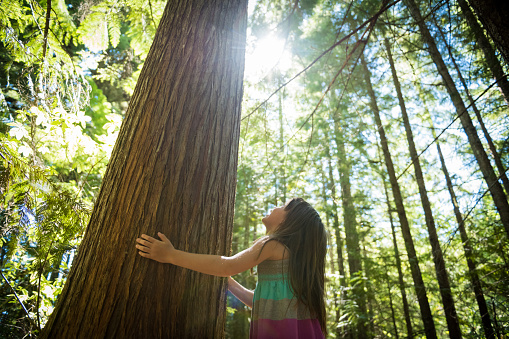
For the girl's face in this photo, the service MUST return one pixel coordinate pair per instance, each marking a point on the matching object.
(275, 218)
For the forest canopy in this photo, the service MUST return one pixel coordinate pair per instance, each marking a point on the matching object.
(390, 118)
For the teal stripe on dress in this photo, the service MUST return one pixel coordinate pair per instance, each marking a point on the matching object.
(275, 290)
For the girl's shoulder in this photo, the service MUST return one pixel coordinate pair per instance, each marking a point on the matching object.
(276, 250)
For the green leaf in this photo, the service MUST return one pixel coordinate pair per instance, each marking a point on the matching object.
(93, 31)
(114, 30)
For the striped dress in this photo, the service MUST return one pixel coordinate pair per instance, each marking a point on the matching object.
(276, 313)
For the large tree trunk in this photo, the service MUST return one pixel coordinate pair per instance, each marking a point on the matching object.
(495, 188)
(173, 169)
(494, 15)
(420, 289)
(438, 258)
(487, 49)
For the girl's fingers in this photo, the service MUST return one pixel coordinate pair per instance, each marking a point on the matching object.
(162, 237)
(147, 237)
(143, 242)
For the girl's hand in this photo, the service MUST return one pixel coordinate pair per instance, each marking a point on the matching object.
(158, 250)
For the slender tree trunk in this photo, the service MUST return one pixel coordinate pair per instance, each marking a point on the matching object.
(488, 51)
(339, 243)
(325, 197)
(489, 175)
(337, 231)
(491, 145)
(401, 283)
(494, 15)
(497, 326)
(472, 266)
(351, 235)
(282, 173)
(438, 258)
(474, 277)
(369, 294)
(393, 314)
(173, 169)
(420, 289)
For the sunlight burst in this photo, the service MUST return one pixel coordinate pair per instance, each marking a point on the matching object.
(269, 54)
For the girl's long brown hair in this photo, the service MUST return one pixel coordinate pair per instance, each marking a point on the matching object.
(303, 233)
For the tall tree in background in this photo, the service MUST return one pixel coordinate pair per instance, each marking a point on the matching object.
(438, 258)
(494, 14)
(469, 254)
(488, 50)
(493, 149)
(467, 246)
(420, 289)
(401, 283)
(351, 234)
(494, 186)
(173, 170)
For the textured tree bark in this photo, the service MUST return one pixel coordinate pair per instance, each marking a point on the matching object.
(487, 49)
(494, 15)
(420, 289)
(173, 169)
(438, 258)
(495, 188)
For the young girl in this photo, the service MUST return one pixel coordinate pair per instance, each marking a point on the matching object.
(288, 301)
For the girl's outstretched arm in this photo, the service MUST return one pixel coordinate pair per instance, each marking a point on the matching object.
(242, 293)
(164, 252)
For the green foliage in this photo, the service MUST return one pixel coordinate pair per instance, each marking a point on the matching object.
(41, 222)
(101, 27)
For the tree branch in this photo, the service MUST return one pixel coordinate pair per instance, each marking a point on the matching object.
(46, 27)
(16, 295)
